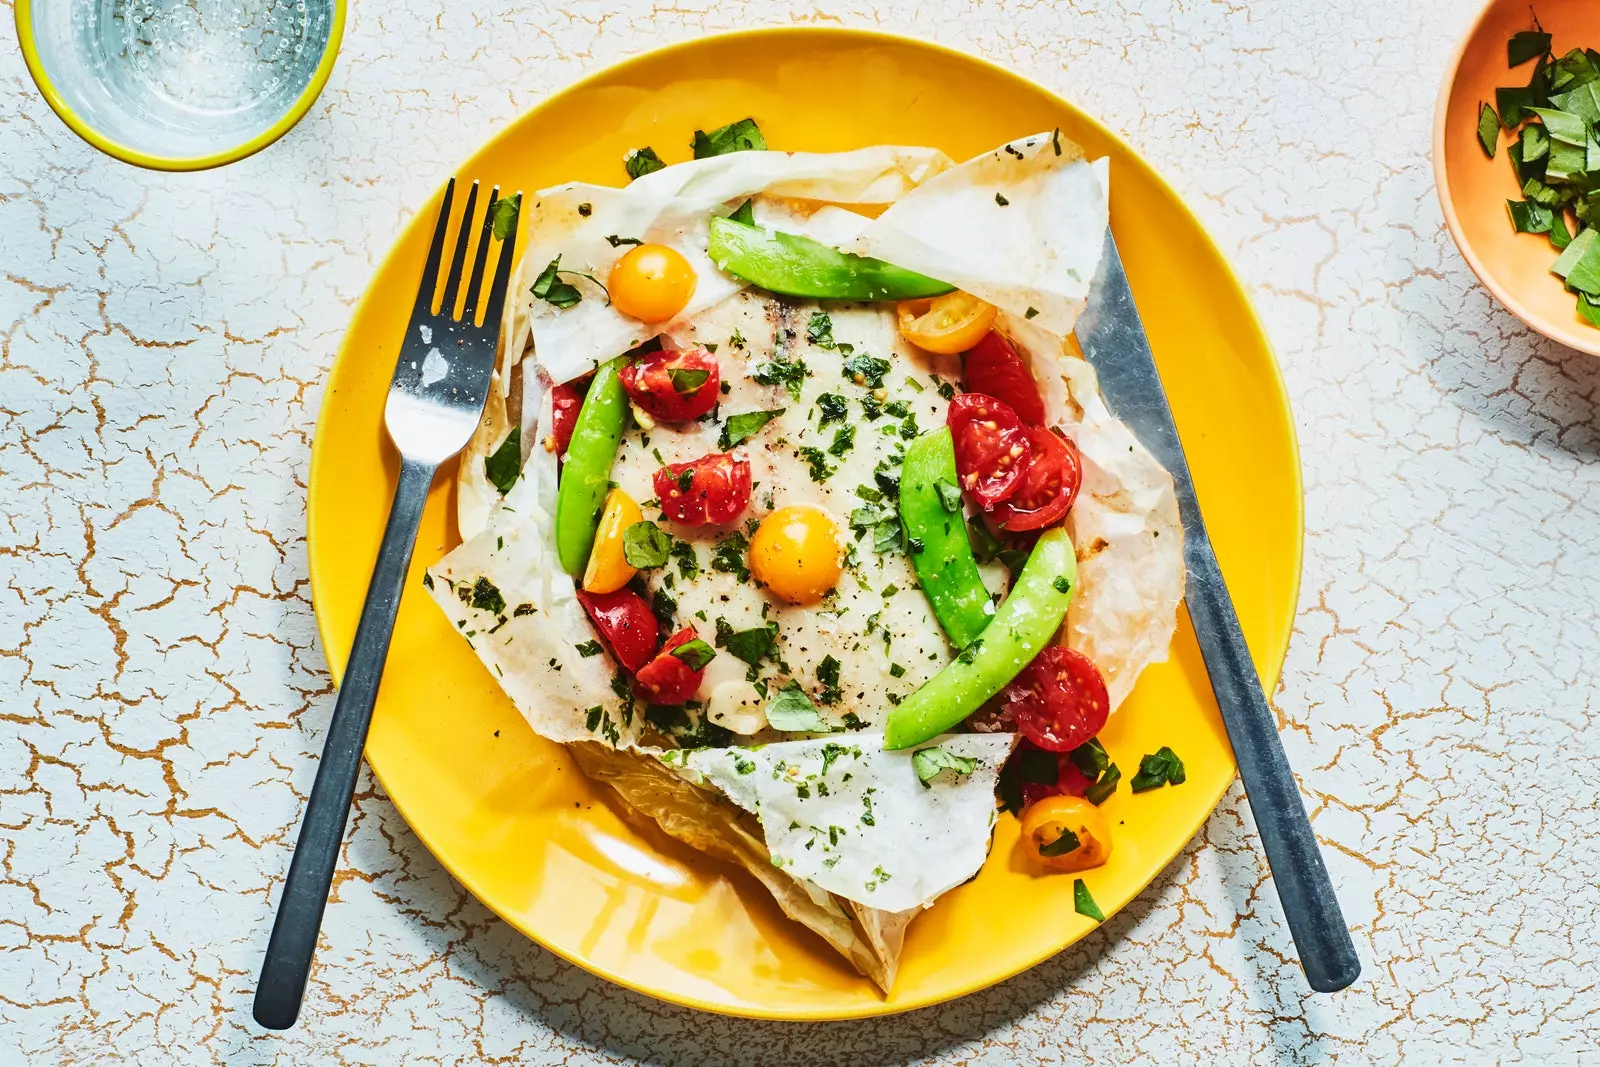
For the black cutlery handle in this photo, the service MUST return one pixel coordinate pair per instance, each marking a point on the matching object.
(305, 891)
(1315, 921)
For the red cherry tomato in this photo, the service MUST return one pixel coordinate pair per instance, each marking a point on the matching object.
(1059, 701)
(627, 624)
(674, 386)
(993, 367)
(1070, 781)
(991, 444)
(712, 489)
(668, 679)
(1047, 488)
(564, 404)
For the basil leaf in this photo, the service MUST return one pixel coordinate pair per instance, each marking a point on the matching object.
(1163, 767)
(549, 287)
(866, 370)
(695, 654)
(687, 380)
(589, 648)
(1529, 44)
(642, 161)
(1560, 236)
(1488, 130)
(1589, 308)
(1584, 275)
(745, 213)
(748, 646)
(1090, 758)
(929, 762)
(645, 545)
(741, 136)
(745, 425)
(1067, 842)
(949, 494)
(792, 710)
(1083, 903)
(504, 465)
(1575, 251)
(504, 212)
(486, 596)
(1101, 791)
(1535, 142)
(1514, 104)
(1584, 102)
(819, 330)
(1530, 217)
(1569, 129)
(1567, 163)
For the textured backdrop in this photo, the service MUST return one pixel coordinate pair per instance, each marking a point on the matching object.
(162, 343)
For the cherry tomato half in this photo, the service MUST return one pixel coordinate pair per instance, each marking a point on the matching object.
(993, 367)
(668, 679)
(1059, 701)
(1070, 781)
(712, 489)
(626, 622)
(1065, 833)
(945, 324)
(674, 386)
(564, 404)
(1047, 488)
(992, 449)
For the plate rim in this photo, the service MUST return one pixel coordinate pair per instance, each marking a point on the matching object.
(1273, 668)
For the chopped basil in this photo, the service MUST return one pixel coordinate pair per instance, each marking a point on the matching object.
(1526, 45)
(695, 654)
(866, 370)
(1031, 312)
(843, 439)
(818, 461)
(642, 161)
(645, 545)
(949, 494)
(1067, 842)
(1002, 201)
(730, 555)
(688, 562)
(792, 710)
(486, 597)
(745, 213)
(819, 331)
(929, 762)
(617, 242)
(828, 675)
(1159, 769)
(1090, 758)
(1101, 791)
(750, 646)
(1084, 904)
(549, 287)
(1488, 130)
(504, 212)
(687, 380)
(504, 465)
(781, 370)
(741, 136)
(745, 425)
(1062, 584)
(834, 407)
(590, 648)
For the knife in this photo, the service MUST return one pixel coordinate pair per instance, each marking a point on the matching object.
(1113, 338)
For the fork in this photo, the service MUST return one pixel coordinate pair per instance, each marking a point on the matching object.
(435, 401)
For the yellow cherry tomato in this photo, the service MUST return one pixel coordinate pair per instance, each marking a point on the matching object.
(608, 568)
(795, 553)
(1066, 833)
(945, 324)
(652, 283)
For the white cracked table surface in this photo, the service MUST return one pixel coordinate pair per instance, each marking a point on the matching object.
(163, 339)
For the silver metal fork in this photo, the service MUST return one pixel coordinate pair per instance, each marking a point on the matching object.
(435, 401)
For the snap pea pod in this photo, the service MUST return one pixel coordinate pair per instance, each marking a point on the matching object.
(586, 474)
(792, 265)
(941, 554)
(1021, 627)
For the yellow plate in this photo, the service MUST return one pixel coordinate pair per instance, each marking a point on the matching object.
(510, 815)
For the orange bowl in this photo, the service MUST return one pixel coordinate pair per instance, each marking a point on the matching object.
(1473, 190)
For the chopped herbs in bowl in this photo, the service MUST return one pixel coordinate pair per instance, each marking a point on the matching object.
(1555, 120)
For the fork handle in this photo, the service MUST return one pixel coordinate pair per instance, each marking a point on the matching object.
(1327, 952)
(305, 891)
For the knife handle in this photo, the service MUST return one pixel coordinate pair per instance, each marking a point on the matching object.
(1320, 935)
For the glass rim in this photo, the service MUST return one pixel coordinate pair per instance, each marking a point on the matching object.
(117, 150)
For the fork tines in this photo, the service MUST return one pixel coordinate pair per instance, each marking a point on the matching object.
(452, 289)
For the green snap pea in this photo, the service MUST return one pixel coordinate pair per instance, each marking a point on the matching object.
(586, 474)
(792, 265)
(1021, 627)
(941, 554)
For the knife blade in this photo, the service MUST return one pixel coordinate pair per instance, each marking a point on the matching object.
(1113, 339)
